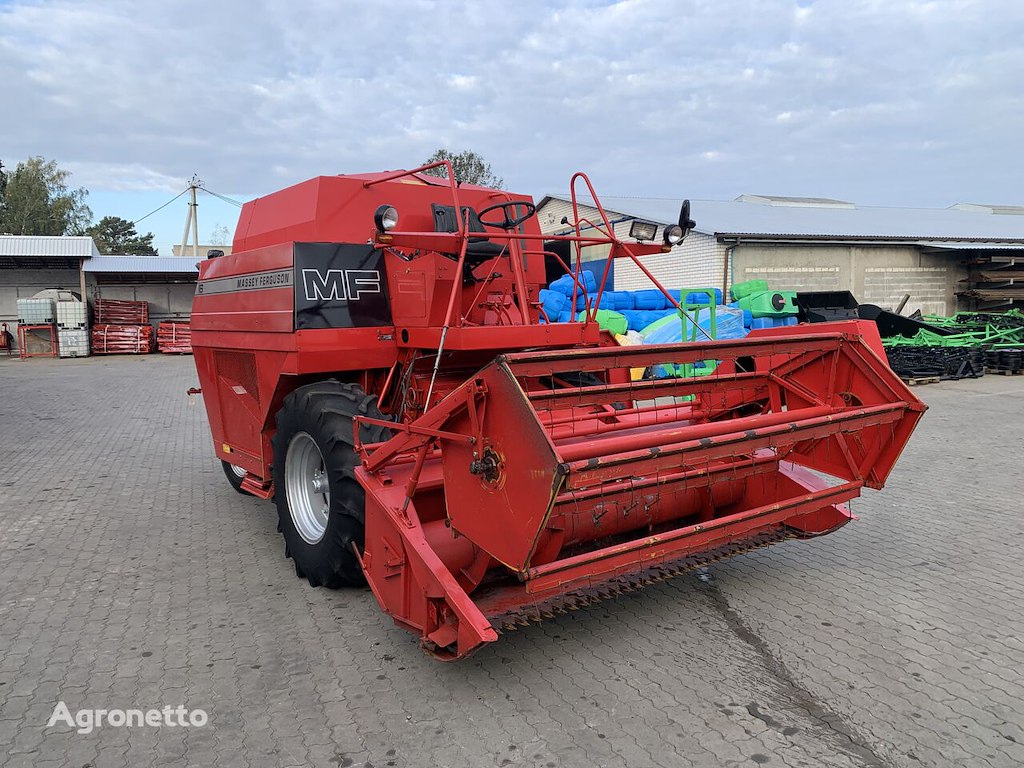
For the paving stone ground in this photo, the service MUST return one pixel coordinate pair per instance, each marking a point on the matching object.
(132, 576)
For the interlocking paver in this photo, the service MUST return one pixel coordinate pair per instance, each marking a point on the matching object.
(132, 576)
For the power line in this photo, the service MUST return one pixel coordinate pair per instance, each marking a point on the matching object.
(198, 185)
(221, 197)
(155, 210)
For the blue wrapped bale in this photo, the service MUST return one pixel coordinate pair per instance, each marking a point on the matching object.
(702, 297)
(634, 319)
(748, 317)
(553, 302)
(622, 300)
(649, 299)
(565, 284)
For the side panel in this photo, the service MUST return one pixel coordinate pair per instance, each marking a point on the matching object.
(250, 291)
(239, 388)
(248, 353)
(340, 285)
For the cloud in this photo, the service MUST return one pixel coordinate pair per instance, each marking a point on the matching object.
(463, 82)
(879, 102)
(132, 177)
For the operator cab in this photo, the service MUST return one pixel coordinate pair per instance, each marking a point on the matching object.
(480, 249)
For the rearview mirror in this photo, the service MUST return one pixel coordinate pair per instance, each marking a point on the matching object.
(685, 222)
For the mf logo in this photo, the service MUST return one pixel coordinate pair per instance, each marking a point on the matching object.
(340, 284)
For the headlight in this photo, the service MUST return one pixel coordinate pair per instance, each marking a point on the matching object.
(673, 234)
(642, 230)
(385, 218)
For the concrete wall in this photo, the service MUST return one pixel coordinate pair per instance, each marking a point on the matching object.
(25, 283)
(874, 274)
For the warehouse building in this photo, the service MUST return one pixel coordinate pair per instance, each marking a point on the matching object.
(32, 264)
(29, 264)
(962, 257)
(167, 283)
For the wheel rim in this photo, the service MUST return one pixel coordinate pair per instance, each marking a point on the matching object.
(237, 471)
(307, 488)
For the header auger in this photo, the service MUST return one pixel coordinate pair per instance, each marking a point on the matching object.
(375, 358)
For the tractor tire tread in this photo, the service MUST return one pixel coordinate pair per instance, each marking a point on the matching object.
(324, 410)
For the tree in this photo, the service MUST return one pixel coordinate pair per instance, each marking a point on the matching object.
(116, 235)
(36, 200)
(220, 235)
(468, 166)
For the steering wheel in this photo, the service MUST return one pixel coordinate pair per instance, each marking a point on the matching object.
(508, 211)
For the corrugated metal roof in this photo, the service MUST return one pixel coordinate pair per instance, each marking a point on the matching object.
(820, 202)
(151, 264)
(43, 246)
(941, 245)
(1002, 210)
(736, 217)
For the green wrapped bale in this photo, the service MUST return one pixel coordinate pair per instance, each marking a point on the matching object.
(770, 303)
(740, 290)
(608, 320)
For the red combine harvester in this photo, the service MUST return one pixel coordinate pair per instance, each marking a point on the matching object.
(374, 357)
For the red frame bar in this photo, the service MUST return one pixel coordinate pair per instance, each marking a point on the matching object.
(586, 472)
(678, 543)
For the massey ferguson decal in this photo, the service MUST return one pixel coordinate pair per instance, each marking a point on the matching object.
(255, 281)
(340, 285)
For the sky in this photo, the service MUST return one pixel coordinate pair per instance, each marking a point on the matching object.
(879, 102)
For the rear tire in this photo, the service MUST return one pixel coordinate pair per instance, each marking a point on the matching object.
(235, 476)
(320, 504)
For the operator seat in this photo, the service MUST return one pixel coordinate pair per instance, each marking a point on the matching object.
(479, 249)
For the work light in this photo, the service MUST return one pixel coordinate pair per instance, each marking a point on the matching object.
(642, 230)
(386, 218)
(673, 234)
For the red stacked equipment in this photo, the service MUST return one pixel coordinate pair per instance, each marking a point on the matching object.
(122, 339)
(122, 328)
(174, 338)
(118, 312)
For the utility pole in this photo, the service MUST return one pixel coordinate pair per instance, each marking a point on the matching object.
(192, 219)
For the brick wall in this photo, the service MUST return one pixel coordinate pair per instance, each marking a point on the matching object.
(928, 288)
(793, 277)
(874, 274)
